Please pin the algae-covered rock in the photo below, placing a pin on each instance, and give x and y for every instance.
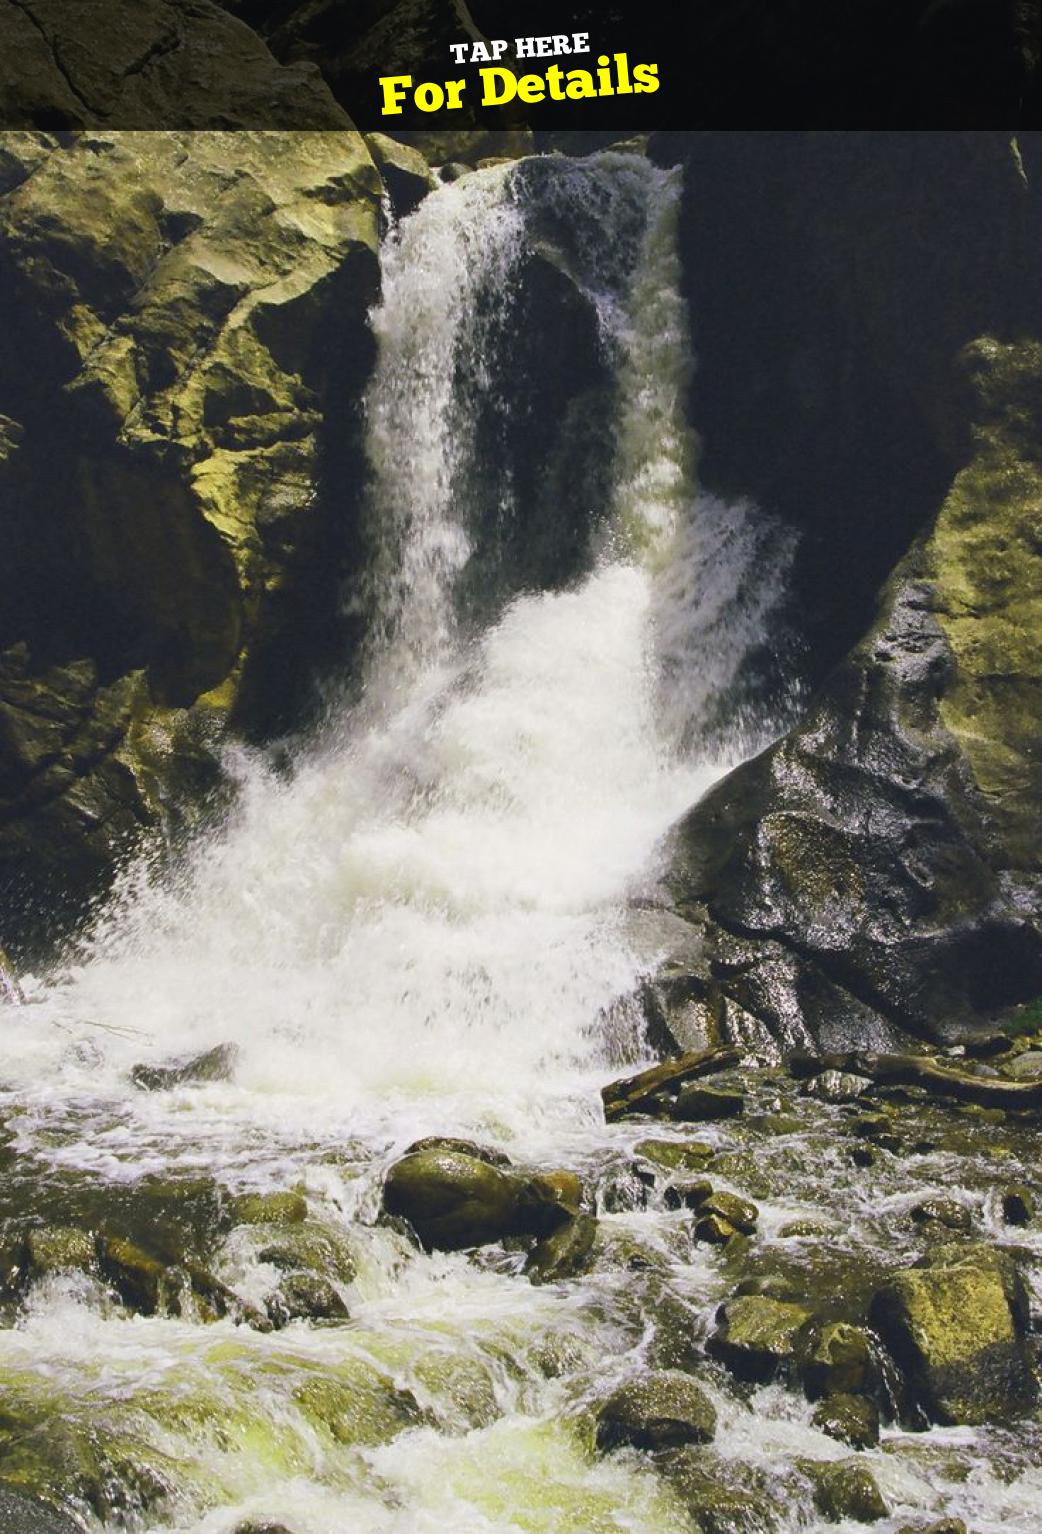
(739, 1212)
(306, 1296)
(956, 1328)
(837, 1359)
(564, 1253)
(269, 1209)
(487, 1153)
(687, 1193)
(845, 1489)
(1018, 1205)
(851, 1419)
(656, 1410)
(61, 1249)
(453, 1200)
(942, 1212)
(676, 1155)
(722, 1495)
(757, 1336)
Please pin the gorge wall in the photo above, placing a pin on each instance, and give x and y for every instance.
(182, 465)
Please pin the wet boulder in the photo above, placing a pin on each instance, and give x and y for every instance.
(461, 1147)
(215, 1064)
(305, 1297)
(956, 1327)
(565, 1253)
(660, 1409)
(454, 1201)
(699, 1103)
(676, 1155)
(269, 1209)
(845, 1489)
(758, 1337)
(849, 1419)
(739, 1213)
(60, 1249)
(722, 1495)
(838, 1359)
(946, 1213)
(1018, 1205)
(837, 1087)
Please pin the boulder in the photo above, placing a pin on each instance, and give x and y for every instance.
(837, 1086)
(61, 1249)
(757, 1337)
(269, 1209)
(676, 1155)
(455, 1201)
(851, 1419)
(215, 1064)
(565, 1253)
(657, 1410)
(845, 1489)
(837, 1358)
(404, 172)
(956, 1327)
(1018, 1205)
(738, 1212)
(306, 1296)
(699, 1103)
(687, 1193)
(463, 1147)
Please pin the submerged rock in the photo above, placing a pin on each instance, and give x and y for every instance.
(947, 1212)
(756, 1337)
(956, 1326)
(655, 1411)
(454, 1201)
(215, 1064)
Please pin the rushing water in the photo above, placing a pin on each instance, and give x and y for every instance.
(423, 930)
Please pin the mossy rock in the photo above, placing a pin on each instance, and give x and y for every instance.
(699, 1103)
(357, 1405)
(305, 1297)
(676, 1155)
(845, 1489)
(565, 1253)
(850, 1419)
(738, 1212)
(756, 1337)
(722, 1496)
(454, 1201)
(956, 1329)
(659, 1409)
(61, 1249)
(837, 1358)
(268, 1209)
(307, 1247)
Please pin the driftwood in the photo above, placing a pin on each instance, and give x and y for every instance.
(632, 1093)
(924, 1071)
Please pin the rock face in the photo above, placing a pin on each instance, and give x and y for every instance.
(956, 1326)
(873, 874)
(21, 1514)
(193, 318)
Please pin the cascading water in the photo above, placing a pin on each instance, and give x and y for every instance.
(421, 931)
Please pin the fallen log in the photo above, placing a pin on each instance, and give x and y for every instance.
(629, 1094)
(923, 1071)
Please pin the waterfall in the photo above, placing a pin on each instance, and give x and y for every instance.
(422, 929)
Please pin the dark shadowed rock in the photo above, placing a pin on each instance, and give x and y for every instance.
(657, 1410)
(217, 1064)
(565, 1253)
(306, 1296)
(845, 1489)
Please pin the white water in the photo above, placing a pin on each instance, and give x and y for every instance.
(422, 930)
